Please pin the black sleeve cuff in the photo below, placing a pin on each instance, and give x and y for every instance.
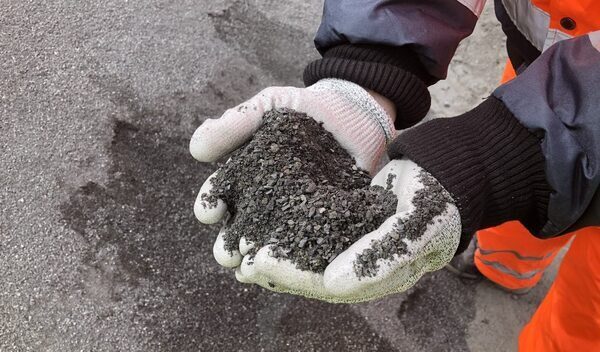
(490, 163)
(395, 73)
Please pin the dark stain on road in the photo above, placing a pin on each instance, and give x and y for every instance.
(437, 311)
(274, 46)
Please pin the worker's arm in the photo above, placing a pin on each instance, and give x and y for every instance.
(385, 45)
(531, 152)
(396, 48)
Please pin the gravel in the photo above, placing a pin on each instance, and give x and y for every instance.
(293, 187)
(429, 202)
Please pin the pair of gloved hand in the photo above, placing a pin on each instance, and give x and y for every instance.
(422, 236)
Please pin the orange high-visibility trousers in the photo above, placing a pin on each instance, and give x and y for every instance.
(569, 317)
(512, 257)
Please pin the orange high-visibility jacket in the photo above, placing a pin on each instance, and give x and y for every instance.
(554, 46)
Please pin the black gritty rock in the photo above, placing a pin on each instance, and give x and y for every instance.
(293, 187)
(430, 201)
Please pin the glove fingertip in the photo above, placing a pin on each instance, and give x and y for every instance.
(245, 245)
(226, 258)
(248, 269)
(201, 147)
(209, 209)
(239, 276)
(208, 213)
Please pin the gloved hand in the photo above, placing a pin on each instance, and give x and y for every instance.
(421, 237)
(360, 121)
(361, 124)
(493, 179)
(492, 171)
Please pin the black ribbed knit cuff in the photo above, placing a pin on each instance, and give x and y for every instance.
(395, 73)
(490, 163)
(402, 57)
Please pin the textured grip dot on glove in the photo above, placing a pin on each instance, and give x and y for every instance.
(293, 187)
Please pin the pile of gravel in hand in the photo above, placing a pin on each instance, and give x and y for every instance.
(429, 202)
(292, 186)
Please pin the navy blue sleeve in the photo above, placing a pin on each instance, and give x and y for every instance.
(558, 97)
(431, 28)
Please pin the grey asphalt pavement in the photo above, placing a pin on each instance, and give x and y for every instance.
(99, 249)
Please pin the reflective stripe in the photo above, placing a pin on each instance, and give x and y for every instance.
(515, 253)
(500, 267)
(476, 6)
(531, 21)
(595, 39)
(554, 35)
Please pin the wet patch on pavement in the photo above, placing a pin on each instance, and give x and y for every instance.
(274, 46)
(437, 311)
(320, 326)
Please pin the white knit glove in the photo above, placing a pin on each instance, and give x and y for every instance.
(354, 118)
(421, 237)
(358, 123)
